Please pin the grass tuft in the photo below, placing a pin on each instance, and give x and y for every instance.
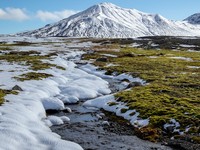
(30, 58)
(33, 76)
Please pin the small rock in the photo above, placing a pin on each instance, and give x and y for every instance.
(17, 88)
(134, 84)
(102, 59)
(137, 83)
(170, 129)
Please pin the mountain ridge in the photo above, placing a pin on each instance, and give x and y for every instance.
(193, 19)
(106, 20)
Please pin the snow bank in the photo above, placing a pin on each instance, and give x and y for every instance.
(101, 73)
(130, 78)
(109, 103)
(23, 121)
(89, 68)
(54, 120)
(22, 117)
(116, 107)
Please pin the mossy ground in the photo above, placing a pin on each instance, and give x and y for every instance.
(29, 58)
(33, 76)
(173, 89)
(3, 93)
(5, 48)
(33, 59)
(16, 43)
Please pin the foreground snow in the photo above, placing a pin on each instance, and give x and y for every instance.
(24, 124)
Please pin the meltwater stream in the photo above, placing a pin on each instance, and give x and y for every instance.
(94, 131)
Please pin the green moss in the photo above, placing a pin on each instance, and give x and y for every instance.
(3, 93)
(5, 48)
(173, 91)
(39, 65)
(30, 58)
(33, 76)
(160, 103)
(196, 139)
(60, 67)
(194, 129)
(17, 43)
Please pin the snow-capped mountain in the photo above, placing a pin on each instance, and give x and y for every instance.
(108, 20)
(193, 19)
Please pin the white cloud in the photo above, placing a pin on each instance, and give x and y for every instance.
(13, 14)
(18, 14)
(54, 16)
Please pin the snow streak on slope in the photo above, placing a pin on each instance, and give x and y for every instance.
(108, 20)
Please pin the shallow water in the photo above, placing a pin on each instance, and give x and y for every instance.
(91, 129)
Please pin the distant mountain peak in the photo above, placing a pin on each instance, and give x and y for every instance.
(106, 20)
(193, 19)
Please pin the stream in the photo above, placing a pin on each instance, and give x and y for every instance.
(94, 130)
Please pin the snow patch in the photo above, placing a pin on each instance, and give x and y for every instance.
(193, 67)
(182, 58)
(53, 103)
(130, 78)
(187, 46)
(105, 101)
(109, 55)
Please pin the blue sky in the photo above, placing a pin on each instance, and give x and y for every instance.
(22, 15)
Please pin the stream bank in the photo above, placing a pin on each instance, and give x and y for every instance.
(93, 130)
